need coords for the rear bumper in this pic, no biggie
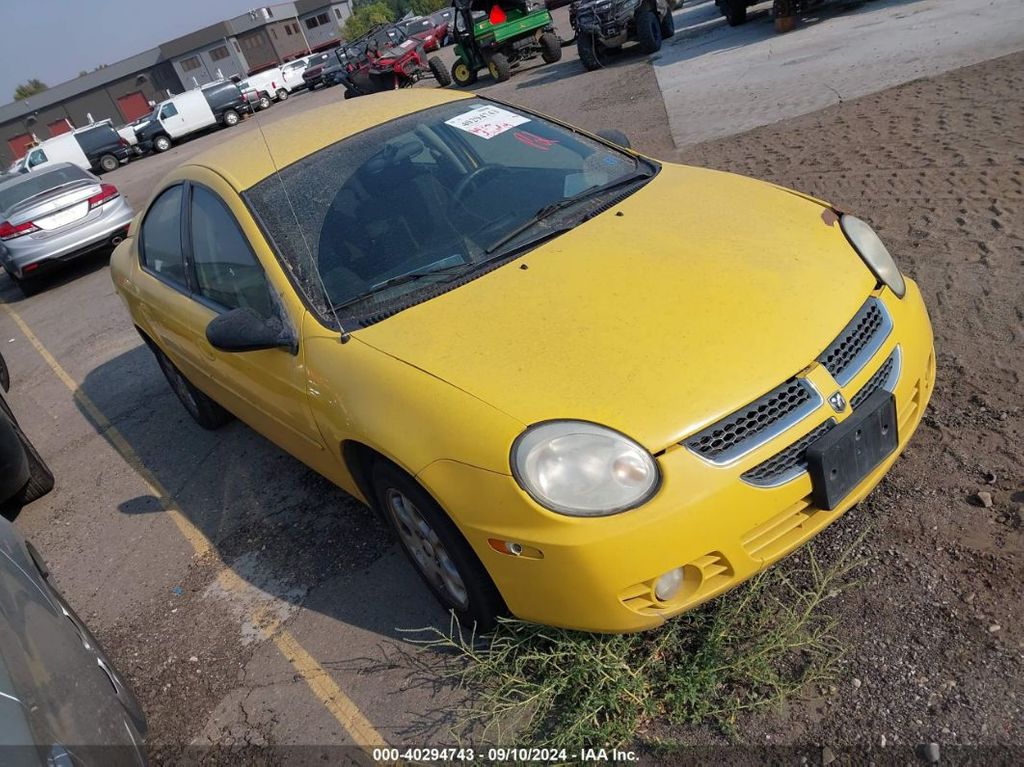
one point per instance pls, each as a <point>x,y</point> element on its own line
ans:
<point>599,574</point>
<point>29,255</point>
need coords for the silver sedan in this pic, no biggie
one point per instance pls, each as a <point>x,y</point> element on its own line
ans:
<point>54,215</point>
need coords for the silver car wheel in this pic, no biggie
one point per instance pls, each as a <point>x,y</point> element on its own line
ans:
<point>422,542</point>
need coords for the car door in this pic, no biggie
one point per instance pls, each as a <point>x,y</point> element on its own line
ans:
<point>172,120</point>
<point>266,388</point>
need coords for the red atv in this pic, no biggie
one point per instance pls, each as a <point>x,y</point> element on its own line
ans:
<point>385,59</point>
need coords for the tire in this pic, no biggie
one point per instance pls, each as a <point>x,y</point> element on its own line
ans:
<point>282,94</point>
<point>591,52</point>
<point>668,25</point>
<point>161,143</point>
<point>40,480</point>
<point>436,548</point>
<point>462,74</point>
<point>204,411</point>
<point>499,67</point>
<point>109,163</point>
<point>349,94</point>
<point>5,375</point>
<point>735,12</point>
<point>230,118</point>
<point>264,102</point>
<point>439,72</point>
<point>648,31</point>
<point>550,48</point>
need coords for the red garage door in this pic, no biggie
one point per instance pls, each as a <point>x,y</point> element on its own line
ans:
<point>19,144</point>
<point>59,126</point>
<point>133,106</point>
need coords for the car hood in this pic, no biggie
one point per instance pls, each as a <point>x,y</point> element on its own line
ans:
<point>685,301</point>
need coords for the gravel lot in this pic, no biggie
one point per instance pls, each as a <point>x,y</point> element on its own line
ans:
<point>934,635</point>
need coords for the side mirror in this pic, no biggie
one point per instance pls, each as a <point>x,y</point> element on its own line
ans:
<point>615,137</point>
<point>242,330</point>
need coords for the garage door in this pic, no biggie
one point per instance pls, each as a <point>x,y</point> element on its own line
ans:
<point>59,126</point>
<point>20,143</point>
<point>133,106</point>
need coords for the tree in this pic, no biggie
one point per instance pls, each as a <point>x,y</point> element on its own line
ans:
<point>427,7</point>
<point>367,17</point>
<point>31,88</point>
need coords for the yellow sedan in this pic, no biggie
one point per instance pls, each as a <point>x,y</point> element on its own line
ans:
<point>584,387</point>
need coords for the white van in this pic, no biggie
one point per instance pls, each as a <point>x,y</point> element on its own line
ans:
<point>272,82</point>
<point>95,148</point>
<point>188,112</point>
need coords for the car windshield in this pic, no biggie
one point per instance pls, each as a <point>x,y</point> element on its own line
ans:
<point>367,224</point>
<point>34,184</point>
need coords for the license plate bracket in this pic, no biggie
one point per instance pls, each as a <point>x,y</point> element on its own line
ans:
<point>844,455</point>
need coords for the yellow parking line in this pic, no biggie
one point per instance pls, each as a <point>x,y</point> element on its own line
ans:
<point>316,677</point>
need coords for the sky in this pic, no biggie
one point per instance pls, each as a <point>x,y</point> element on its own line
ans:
<point>56,39</point>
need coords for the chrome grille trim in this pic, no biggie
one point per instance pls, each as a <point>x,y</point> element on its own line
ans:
<point>858,342</point>
<point>885,377</point>
<point>787,464</point>
<point>755,424</point>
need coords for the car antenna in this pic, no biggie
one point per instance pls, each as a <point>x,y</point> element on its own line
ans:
<point>344,338</point>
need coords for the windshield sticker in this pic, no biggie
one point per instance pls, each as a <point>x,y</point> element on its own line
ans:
<point>487,121</point>
<point>535,141</point>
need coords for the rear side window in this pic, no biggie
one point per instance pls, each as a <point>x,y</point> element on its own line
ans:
<point>161,237</point>
<point>227,271</point>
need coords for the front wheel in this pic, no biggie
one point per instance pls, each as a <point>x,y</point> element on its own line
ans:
<point>282,94</point>
<point>230,118</point>
<point>550,48</point>
<point>648,31</point>
<point>592,54</point>
<point>440,554</point>
<point>440,73</point>
<point>463,74</point>
<point>668,25</point>
<point>735,12</point>
<point>204,411</point>
<point>499,67</point>
<point>108,163</point>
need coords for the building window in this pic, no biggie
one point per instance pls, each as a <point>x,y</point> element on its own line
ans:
<point>288,29</point>
<point>273,33</point>
<point>219,53</point>
<point>323,18</point>
<point>192,62</point>
<point>312,23</point>
<point>337,12</point>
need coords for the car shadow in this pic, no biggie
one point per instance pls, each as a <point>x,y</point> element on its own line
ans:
<point>276,523</point>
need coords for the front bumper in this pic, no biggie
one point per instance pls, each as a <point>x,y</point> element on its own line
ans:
<point>29,255</point>
<point>598,574</point>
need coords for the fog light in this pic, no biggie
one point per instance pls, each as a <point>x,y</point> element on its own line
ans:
<point>667,586</point>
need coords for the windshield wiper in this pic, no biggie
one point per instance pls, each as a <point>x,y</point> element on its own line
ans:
<point>401,279</point>
<point>548,210</point>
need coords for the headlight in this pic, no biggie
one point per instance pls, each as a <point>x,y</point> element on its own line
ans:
<point>582,469</point>
<point>874,253</point>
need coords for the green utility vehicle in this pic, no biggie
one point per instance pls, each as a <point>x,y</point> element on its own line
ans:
<point>499,34</point>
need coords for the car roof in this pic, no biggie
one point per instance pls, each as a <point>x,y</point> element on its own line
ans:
<point>244,161</point>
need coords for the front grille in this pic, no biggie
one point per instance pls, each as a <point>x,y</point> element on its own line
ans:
<point>787,464</point>
<point>858,341</point>
<point>884,377</point>
<point>755,424</point>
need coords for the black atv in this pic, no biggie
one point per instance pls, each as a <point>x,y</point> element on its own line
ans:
<point>603,26</point>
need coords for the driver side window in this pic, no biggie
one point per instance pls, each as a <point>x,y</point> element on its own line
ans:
<point>227,271</point>
<point>169,110</point>
<point>38,157</point>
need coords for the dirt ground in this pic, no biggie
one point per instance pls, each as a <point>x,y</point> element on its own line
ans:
<point>935,635</point>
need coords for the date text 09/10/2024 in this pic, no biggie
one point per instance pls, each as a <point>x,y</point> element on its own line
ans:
<point>386,755</point>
